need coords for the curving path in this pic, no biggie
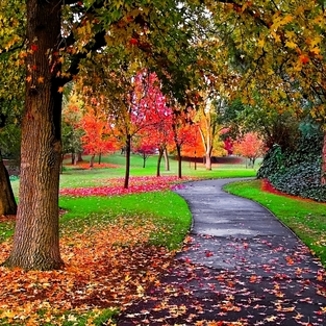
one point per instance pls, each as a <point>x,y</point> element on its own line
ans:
<point>239,266</point>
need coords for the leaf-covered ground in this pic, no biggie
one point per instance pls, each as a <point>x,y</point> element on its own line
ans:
<point>104,268</point>
<point>114,186</point>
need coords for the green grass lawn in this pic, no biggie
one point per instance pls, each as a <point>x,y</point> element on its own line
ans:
<point>306,218</point>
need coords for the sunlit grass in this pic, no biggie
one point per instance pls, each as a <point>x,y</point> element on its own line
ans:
<point>168,211</point>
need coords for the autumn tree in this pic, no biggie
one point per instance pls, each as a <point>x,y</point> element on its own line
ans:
<point>251,146</point>
<point>98,138</point>
<point>157,135</point>
<point>72,132</point>
<point>61,37</point>
<point>284,57</point>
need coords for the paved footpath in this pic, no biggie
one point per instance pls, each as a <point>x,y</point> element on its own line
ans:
<point>239,266</point>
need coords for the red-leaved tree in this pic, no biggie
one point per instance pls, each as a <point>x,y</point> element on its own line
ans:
<point>98,138</point>
<point>251,146</point>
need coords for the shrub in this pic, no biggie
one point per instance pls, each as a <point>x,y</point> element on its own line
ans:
<point>297,172</point>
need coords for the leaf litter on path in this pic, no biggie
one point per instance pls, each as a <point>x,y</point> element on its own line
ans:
<point>285,290</point>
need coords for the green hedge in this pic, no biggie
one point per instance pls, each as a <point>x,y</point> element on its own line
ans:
<point>297,172</point>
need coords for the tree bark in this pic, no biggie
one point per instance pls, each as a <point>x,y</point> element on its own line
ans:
<point>159,160</point>
<point>127,153</point>
<point>8,204</point>
<point>208,161</point>
<point>179,161</point>
<point>323,164</point>
<point>166,160</point>
<point>144,160</point>
<point>91,163</point>
<point>79,157</point>
<point>36,237</point>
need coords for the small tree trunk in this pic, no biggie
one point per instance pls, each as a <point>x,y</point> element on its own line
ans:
<point>208,162</point>
<point>208,158</point>
<point>159,160</point>
<point>8,204</point>
<point>179,161</point>
<point>144,160</point>
<point>91,163</point>
<point>127,153</point>
<point>79,157</point>
<point>166,160</point>
<point>73,158</point>
<point>99,158</point>
<point>323,164</point>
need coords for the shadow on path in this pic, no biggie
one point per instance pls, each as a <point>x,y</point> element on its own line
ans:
<point>239,266</point>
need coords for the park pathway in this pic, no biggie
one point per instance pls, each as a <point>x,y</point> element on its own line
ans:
<point>239,266</point>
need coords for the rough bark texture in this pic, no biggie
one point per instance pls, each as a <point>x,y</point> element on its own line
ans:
<point>323,166</point>
<point>127,153</point>
<point>36,238</point>
<point>8,204</point>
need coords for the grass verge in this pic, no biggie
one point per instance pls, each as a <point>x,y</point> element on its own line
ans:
<point>306,218</point>
<point>166,210</point>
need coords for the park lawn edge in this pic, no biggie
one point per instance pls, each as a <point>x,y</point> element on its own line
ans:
<point>306,218</point>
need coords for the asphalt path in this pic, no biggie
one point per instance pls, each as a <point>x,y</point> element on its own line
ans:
<point>239,266</point>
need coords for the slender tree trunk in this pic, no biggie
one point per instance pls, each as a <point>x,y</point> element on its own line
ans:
<point>144,160</point>
<point>99,158</point>
<point>159,160</point>
<point>8,204</point>
<point>179,161</point>
<point>79,157</point>
<point>73,161</point>
<point>323,164</point>
<point>127,153</point>
<point>36,237</point>
<point>166,160</point>
<point>75,158</point>
<point>208,162</point>
<point>91,163</point>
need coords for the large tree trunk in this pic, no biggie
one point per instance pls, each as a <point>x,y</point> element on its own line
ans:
<point>127,153</point>
<point>323,165</point>
<point>36,237</point>
<point>8,204</point>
